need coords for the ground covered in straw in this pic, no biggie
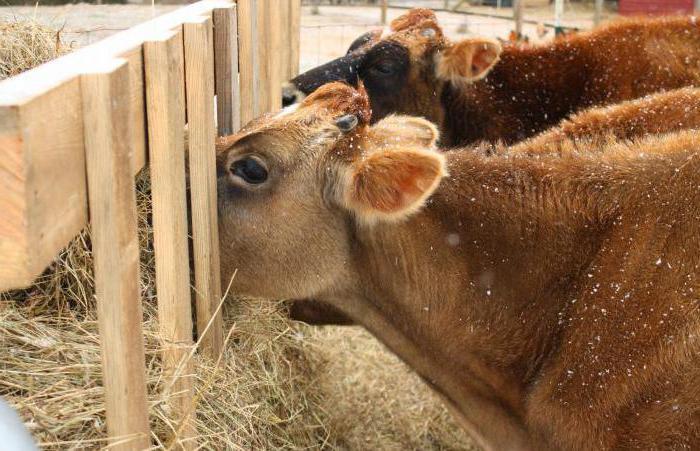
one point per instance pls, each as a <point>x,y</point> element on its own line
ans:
<point>279,385</point>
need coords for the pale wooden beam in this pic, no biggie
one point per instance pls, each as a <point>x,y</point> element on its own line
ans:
<point>295,23</point>
<point>199,65</point>
<point>115,246</point>
<point>228,91</point>
<point>247,57</point>
<point>165,107</point>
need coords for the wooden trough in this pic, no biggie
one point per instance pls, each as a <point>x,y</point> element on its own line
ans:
<point>75,131</point>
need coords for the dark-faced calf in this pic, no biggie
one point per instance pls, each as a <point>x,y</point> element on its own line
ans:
<point>475,90</point>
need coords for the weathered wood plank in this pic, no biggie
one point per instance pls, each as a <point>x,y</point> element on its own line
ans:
<point>294,38</point>
<point>270,51</point>
<point>248,58</point>
<point>42,167</point>
<point>284,8</point>
<point>115,246</point>
<point>199,70</point>
<point>226,69</point>
<point>165,108</point>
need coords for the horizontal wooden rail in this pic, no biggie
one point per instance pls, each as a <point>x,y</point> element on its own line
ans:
<point>42,153</point>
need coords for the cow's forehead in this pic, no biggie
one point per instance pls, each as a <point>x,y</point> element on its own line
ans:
<point>420,38</point>
<point>337,98</point>
<point>328,102</point>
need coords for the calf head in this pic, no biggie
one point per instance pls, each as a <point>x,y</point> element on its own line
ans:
<point>405,71</point>
<point>293,188</point>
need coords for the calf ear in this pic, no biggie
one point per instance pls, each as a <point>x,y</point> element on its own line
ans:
<point>390,184</point>
<point>403,131</point>
<point>468,60</point>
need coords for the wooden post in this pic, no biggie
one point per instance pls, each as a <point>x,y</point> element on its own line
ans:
<point>518,16</point>
<point>247,58</point>
<point>599,11</point>
<point>165,108</point>
<point>558,12</point>
<point>697,6</point>
<point>384,6</point>
<point>199,67</point>
<point>228,90</point>
<point>268,48</point>
<point>283,8</point>
<point>294,36</point>
<point>115,245</point>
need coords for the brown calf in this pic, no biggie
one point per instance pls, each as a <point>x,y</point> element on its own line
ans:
<point>475,90</point>
<point>655,114</point>
<point>553,302</point>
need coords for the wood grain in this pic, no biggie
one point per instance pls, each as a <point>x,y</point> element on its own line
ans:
<point>199,70</point>
<point>115,246</point>
<point>227,85</point>
<point>294,38</point>
<point>43,196</point>
<point>248,58</point>
<point>165,108</point>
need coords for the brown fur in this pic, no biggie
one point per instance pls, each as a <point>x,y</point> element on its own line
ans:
<point>531,87</point>
<point>654,114</point>
<point>553,302</point>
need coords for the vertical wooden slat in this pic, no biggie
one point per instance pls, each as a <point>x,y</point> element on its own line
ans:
<point>165,107</point>
<point>115,244</point>
<point>247,58</point>
<point>199,77</point>
<point>518,16</point>
<point>597,16</point>
<point>228,95</point>
<point>263,43</point>
<point>383,7</point>
<point>269,46</point>
<point>283,8</point>
<point>294,36</point>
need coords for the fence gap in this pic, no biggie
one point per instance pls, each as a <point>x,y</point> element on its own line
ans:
<point>165,107</point>
<point>199,77</point>
<point>115,245</point>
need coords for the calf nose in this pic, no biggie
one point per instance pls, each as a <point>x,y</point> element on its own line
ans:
<point>288,99</point>
<point>291,94</point>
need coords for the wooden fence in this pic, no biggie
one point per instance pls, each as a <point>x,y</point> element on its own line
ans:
<point>75,131</point>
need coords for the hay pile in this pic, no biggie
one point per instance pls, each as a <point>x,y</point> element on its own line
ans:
<point>25,44</point>
<point>280,384</point>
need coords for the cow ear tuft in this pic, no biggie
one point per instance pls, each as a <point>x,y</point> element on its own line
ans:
<point>391,184</point>
<point>468,60</point>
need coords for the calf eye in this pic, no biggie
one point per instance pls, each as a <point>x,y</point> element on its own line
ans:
<point>250,170</point>
<point>384,69</point>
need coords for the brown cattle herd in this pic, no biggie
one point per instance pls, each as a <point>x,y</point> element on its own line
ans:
<point>519,224</point>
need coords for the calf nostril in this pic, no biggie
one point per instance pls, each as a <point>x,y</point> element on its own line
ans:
<point>288,99</point>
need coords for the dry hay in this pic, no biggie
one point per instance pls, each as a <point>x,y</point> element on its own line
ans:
<point>25,44</point>
<point>279,385</point>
